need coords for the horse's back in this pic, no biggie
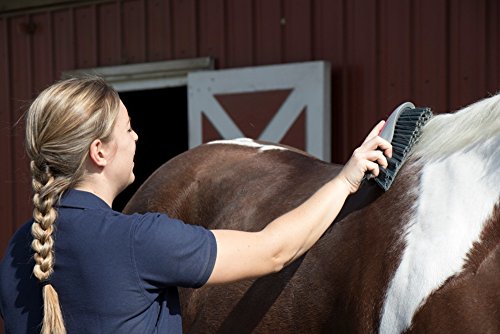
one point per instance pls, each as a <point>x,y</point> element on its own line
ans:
<point>243,188</point>
<point>232,186</point>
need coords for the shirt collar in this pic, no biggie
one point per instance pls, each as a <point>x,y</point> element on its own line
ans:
<point>73,198</point>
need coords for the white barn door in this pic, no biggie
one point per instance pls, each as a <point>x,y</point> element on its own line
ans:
<point>288,104</point>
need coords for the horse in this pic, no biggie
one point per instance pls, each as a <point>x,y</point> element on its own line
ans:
<point>422,257</point>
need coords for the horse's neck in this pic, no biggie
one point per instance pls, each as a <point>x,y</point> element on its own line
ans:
<point>410,240</point>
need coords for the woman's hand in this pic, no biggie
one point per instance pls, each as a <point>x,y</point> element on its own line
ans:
<point>366,159</point>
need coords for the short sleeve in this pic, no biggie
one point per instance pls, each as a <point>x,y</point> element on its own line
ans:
<point>168,252</point>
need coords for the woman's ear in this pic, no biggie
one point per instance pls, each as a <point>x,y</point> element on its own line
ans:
<point>97,153</point>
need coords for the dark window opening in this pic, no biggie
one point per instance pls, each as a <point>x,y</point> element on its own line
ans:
<point>159,117</point>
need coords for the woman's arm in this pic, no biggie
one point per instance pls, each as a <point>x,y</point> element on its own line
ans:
<point>243,255</point>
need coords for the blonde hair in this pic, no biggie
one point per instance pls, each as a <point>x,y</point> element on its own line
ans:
<point>61,124</point>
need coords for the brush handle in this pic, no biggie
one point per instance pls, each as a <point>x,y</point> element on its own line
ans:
<point>389,127</point>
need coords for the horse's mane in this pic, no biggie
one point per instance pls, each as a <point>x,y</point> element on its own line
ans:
<point>446,134</point>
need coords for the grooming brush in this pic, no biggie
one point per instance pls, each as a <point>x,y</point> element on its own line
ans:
<point>402,129</point>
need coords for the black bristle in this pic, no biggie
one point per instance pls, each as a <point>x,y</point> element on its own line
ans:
<point>406,134</point>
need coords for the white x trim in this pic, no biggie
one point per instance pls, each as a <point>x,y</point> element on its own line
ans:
<point>310,85</point>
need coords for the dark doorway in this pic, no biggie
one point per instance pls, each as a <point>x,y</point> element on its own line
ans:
<point>159,117</point>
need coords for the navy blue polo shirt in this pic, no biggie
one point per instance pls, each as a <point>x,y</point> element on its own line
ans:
<point>114,273</point>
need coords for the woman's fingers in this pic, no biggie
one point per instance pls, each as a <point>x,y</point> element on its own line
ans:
<point>373,168</point>
<point>373,141</point>
<point>368,158</point>
<point>378,157</point>
<point>375,131</point>
<point>377,143</point>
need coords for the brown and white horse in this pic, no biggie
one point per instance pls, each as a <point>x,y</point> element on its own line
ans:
<point>424,257</point>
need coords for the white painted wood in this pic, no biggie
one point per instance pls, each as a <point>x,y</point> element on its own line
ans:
<point>310,82</point>
<point>147,75</point>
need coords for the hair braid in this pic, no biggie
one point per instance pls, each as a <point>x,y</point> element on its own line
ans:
<point>45,195</point>
<point>44,216</point>
<point>60,125</point>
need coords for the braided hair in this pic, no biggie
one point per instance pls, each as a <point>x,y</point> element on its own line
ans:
<point>61,124</point>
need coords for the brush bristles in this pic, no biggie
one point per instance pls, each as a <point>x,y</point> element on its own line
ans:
<point>406,134</point>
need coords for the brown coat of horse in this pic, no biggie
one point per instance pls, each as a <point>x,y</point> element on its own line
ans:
<point>341,284</point>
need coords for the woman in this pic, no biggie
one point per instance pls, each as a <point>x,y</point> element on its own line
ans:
<point>79,266</point>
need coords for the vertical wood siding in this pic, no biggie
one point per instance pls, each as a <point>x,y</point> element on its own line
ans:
<point>438,53</point>
<point>431,53</point>
<point>20,53</point>
<point>7,221</point>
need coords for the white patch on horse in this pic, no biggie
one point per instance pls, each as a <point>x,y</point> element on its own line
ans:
<point>457,196</point>
<point>249,143</point>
